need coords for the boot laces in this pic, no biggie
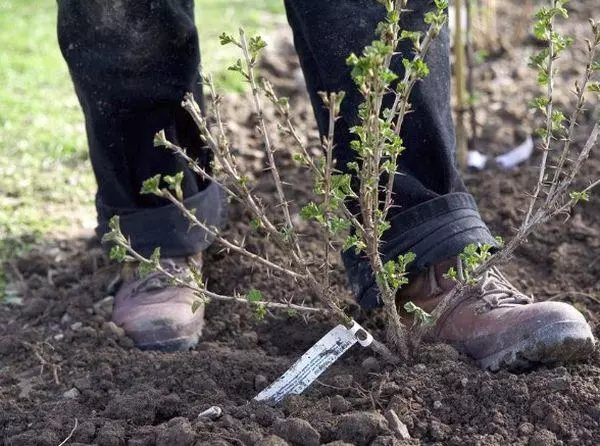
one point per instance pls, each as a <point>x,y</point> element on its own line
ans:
<point>157,281</point>
<point>497,291</point>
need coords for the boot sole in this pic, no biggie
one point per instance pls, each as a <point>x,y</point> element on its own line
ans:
<point>171,345</point>
<point>559,342</point>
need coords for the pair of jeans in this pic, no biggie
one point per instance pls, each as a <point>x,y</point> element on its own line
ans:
<point>132,61</point>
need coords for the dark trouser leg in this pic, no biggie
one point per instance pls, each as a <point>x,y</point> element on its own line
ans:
<point>131,62</point>
<point>434,216</point>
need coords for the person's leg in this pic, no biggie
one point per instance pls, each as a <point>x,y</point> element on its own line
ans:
<point>434,216</point>
<point>131,62</point>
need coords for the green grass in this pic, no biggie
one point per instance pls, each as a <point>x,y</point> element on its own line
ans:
<point>46,184</point>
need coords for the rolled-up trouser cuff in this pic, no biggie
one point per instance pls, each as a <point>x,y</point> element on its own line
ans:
<point>434,231</point>
<point>166,227</point>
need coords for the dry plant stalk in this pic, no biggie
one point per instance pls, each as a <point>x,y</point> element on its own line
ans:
<point>377,146</point>
<point>460,84</point>
<point>553,194</point>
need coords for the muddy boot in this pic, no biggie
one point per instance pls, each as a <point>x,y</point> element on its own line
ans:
<point>156,314</point>
<point>499,326</point>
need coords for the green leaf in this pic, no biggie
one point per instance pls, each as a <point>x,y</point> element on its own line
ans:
<point>260,312</point>
<point>151,186</point>
<point>174,182</point>
<point>196,305</point>
<point>160,139</point>
<point>579,196</point>
<point>254,296</point>
<point>118,254</point>
<point>226,39</point>
<point>594,87</point>
<point>420,315</point>
<point>256,223</point>
<point>312,212</point>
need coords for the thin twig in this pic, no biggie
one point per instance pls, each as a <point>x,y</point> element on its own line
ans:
<point>62,443</point>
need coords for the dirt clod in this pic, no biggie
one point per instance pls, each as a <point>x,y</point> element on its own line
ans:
<point>272,440</point>
<point>361,427</point>
<point>297,431</point>
<point>111,434</point>
<point>176,431</point>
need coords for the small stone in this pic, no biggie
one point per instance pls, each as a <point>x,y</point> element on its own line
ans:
<point>177,431</point>
<point>361,428</point>
<point>114,329</point>
<point>76,326</point>
<point>297,431</point>
<point>59,336</point>
<point>260,382</point>
<point>526,429</point>
<point>66,319</point>
<point>104,307</point>
<point>272,440</point>
<point>464,382</point>
<point>397,426</point>
<point>560,384</point>
<point>211,414</point>
<point>371,364</point>
<point>71,394</point>
<point>437,404</point>
<point>420,367</point>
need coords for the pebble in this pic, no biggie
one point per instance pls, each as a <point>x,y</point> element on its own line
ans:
<point>65,319</point>
<point>76,326</point>
<point>104,307</point>
<point>560,384</point>
<point>420,367</point>
<point>71,394</point>
<point>115,329</point>
<point>260,382</point>
<point>212,413</point>
<point>464,382</point>
<point>526,429</point>
<point>437,404</point>
<point>59,336</point>
<point>297,431</point>
<point>397,426</point>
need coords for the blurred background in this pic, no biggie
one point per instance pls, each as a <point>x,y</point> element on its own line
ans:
<point>46,183</point>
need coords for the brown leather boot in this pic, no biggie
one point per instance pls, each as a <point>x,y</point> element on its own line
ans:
<point>499,326</point>
<point>156,314</point>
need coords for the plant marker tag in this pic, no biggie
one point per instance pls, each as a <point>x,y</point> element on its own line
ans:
<point>314,362</point>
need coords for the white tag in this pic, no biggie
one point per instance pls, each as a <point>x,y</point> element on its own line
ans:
<point>517,155</point>
<point>314,362</point>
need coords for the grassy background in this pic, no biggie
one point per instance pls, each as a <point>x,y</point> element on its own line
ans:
<point>46,184</point>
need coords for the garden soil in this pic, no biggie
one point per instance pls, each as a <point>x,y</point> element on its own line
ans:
<point>64,368</point>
